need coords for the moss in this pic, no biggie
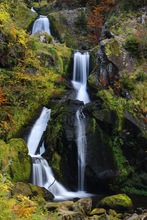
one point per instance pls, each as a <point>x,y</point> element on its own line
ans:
<point>20,166</point>
<point>23,15</point>
<point>56,164</point>
<point>14,160</point>
<point>120,202</point>
<point>5,159</point>
<point>112,48</point>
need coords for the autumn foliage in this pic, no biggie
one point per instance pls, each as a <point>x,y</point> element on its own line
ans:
<point>98,16</point>
<point>2,99</point>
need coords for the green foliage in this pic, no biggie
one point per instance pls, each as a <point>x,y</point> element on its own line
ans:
<point>126,5</point>
<point>115,104</point>
<point>112,20</point>
<point>127,83</point>
<point>141,76</point>
<point>132,45</point>
<point>122,164</point>
<point>81,20</point>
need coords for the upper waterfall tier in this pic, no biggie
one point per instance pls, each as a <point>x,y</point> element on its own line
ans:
<point>41,24</point>
<point>80,74</point>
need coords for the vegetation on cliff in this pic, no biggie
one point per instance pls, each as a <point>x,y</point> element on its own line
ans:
<point>33,73</point>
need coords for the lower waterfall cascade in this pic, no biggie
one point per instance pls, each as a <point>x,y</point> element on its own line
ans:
<point>82,146</point>
<point>42,172</point>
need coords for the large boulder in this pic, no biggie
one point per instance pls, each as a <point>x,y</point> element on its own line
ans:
<point>119,202</point>
<point>31,190</point>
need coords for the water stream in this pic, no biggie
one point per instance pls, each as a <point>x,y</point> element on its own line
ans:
<point>41,24</point>
<point>42,172</point>
<point>80,74</point>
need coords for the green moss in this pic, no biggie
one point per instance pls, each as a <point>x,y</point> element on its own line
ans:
<point>5,159</point>
<point>112,48</point>
<point>14,160</point>
<point>120,202</point>
<point>127,83</point>
<point>20,167</point>
<point>56,164</point>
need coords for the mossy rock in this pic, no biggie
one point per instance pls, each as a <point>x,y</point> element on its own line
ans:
<point>98,211</point>
<point>119,202</point>
<point>41,192</point>
<point>20,166</point>
<point>23,16</point>
<point>21,188</point>
<point>31,190</point>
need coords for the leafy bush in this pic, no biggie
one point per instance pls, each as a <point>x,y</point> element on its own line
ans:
<point>141,76</point>
<point>127,83</point>
<point>81,20</point>
<point>132,45</point>
<point>112,20</point>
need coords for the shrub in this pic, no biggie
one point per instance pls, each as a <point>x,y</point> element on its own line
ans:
<point>112,20</point>
<point>141,76</point>
<point>127,83</point>
<point>81,20</point>
<point>132,45</point>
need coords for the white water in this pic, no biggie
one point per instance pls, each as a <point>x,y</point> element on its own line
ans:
<point>32,9</point>
<point>42,172</point>
<point>82,148</point>
<point>37,131</point>
<point>41,24</point>
<point>80,74</point>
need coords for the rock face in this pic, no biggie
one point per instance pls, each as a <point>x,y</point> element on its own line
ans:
<point>105,72</point>
<point>70,27</point>
<point>60,142</point>
<point>106,154</point>
<point>62,148</point>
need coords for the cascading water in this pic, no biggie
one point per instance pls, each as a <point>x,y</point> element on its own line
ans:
<point>42,173</point>
<point>41,24</point>
<point>37,131</point>
<point>80,74</point>
<point>82,148</point>
<point>32,9</point>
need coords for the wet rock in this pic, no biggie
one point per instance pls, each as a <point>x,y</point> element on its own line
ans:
<point>134,216</point>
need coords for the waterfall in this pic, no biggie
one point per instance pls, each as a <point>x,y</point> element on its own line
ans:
<point>80,74</point>
<point>32,9</point>
<point>82,148</point>
<point>42,172</point>
<point>41,24</point>
<point>37,131</point>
